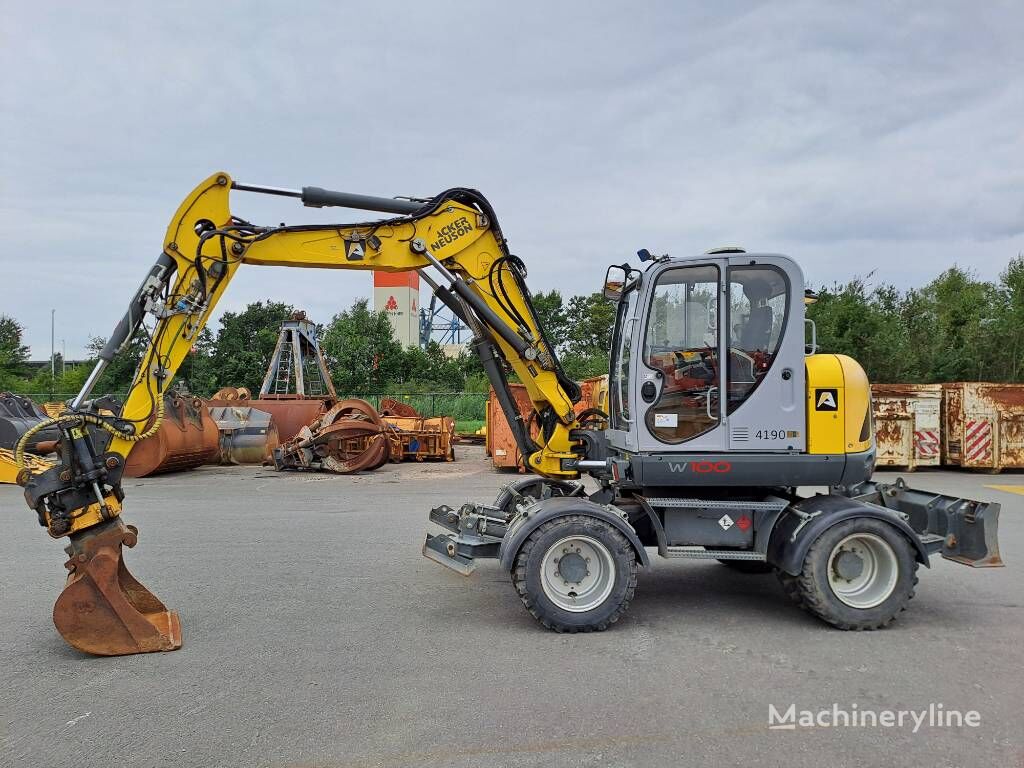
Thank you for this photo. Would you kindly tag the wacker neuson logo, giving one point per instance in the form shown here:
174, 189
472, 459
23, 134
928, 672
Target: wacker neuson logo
935, 716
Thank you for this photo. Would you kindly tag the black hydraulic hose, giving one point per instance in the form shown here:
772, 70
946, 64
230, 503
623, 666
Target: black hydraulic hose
490, 317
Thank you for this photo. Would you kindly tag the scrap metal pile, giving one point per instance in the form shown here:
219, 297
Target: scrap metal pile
350, 437
420, 438
296, 422
353, 436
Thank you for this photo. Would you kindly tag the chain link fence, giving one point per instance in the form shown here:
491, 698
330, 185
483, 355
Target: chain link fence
462, 406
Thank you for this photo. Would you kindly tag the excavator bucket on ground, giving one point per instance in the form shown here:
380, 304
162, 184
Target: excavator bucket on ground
19, 414
247, 435
289, 415
103, 609
187, 438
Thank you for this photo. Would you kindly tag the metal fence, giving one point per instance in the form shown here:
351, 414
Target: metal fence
463, 406
458, 405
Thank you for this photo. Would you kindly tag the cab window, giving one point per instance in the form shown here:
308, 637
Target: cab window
681, 342
758, 310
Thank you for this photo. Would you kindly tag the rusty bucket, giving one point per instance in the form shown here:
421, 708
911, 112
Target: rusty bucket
103, 609
187, 438
290, 415
247, 435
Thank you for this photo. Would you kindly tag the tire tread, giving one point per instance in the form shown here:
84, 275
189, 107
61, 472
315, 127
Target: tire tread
520, 566
805, 591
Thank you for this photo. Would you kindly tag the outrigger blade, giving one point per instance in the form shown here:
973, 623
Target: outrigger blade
103, 609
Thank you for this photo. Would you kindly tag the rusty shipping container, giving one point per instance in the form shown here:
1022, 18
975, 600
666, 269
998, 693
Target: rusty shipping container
983, 425
908, 424
500, 443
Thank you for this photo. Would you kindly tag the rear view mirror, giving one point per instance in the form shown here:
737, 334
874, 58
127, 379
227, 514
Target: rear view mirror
614, 282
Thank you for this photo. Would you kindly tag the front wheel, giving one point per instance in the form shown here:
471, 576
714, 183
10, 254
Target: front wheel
576, 574
857, 575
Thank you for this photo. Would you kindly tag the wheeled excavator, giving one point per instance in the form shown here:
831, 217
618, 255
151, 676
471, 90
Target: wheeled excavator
719, 412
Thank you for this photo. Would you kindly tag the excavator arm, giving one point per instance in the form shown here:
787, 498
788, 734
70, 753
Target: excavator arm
453, 240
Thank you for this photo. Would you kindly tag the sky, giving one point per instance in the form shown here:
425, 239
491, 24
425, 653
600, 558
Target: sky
858, 138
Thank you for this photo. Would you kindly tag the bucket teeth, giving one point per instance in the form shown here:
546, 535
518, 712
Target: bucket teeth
104, 610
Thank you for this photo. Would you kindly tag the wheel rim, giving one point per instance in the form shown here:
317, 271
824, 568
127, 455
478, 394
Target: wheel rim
862, 570
577, 573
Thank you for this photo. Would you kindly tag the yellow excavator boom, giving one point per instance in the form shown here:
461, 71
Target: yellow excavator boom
453, 240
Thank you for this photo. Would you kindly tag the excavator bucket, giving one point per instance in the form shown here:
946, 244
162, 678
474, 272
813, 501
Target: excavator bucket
103, 609
19, 414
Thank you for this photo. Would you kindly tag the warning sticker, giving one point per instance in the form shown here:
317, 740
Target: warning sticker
666, 420
726, 522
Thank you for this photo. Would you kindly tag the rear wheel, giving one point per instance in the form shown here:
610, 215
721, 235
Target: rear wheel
857, 575
576, 574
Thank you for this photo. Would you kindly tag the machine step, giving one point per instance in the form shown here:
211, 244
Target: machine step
699, 553
771, 505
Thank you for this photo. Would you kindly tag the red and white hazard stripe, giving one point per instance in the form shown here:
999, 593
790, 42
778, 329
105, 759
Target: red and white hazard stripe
926, 442
978, 440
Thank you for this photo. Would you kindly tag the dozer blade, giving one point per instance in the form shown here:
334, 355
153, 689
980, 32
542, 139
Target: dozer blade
103, 609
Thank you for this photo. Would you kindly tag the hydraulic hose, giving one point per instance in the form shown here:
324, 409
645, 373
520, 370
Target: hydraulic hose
67, 420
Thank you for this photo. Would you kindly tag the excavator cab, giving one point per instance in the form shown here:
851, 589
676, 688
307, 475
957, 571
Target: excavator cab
719, 412
709, 357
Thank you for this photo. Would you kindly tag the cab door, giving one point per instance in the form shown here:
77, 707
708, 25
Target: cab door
680, 379
765, 354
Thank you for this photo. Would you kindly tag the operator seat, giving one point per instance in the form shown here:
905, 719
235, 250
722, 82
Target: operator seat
757, 332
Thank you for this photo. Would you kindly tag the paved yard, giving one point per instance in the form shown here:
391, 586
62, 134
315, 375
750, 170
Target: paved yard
316, 635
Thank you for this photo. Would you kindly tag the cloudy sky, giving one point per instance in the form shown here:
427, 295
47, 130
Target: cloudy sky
854, 137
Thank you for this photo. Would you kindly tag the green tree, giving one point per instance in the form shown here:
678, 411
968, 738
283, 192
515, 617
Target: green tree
588, 335
551, 313
429, 369
13, 353
198, 370
1005, 327
244, 345
865, 325
962, 305
362, 353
